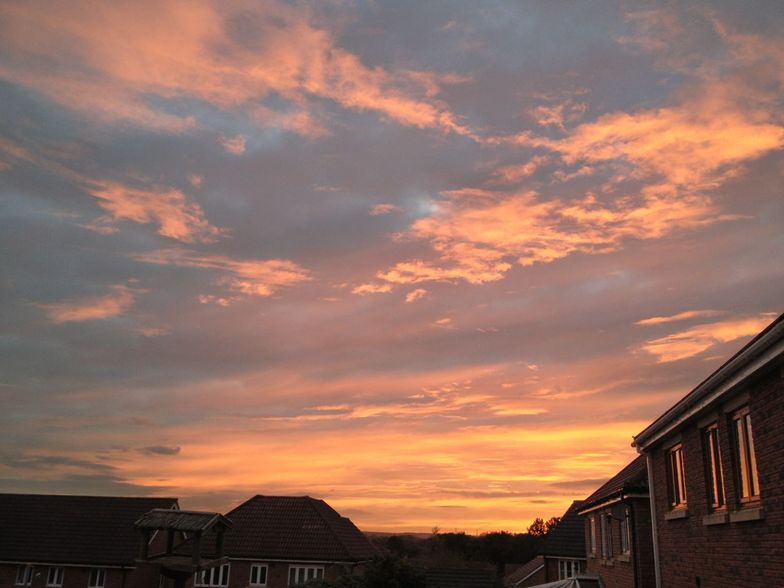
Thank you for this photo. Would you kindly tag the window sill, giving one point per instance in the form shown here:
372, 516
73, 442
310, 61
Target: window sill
716, 518
625, 557
678, 513
608, 563
746, 514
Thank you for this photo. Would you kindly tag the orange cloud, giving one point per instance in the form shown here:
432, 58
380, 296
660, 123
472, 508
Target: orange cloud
254, 277
175, 50
416, 294
695, 340
98, 307
479, 238
176, 216
363, 289
658, 320
384, 208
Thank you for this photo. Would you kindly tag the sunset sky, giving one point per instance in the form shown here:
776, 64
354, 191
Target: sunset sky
434, 262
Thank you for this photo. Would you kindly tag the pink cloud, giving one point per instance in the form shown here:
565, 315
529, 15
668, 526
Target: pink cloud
416, 294
695, 340
176, 216
252, 277
174, 50
384, 208
658, 320
235, 145
119, 301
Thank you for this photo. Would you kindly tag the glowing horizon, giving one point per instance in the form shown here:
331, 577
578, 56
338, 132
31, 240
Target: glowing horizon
436, 267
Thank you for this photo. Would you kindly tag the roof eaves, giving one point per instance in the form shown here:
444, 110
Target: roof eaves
762, 350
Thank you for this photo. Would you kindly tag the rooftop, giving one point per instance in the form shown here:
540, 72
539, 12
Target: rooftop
568, 537
632, 478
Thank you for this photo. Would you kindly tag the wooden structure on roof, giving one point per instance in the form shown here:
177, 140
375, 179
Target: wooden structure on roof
191, 526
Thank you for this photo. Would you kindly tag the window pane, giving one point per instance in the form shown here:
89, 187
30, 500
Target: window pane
754, 481
743, 464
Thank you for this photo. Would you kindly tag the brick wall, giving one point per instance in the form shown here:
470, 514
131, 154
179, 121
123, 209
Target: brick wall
730, 554
77, 577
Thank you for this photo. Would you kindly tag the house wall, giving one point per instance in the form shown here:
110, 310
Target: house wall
77, 577
551, 567
277, 572
732, 554
618, 571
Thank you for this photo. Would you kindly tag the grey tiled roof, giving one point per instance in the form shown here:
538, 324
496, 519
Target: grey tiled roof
72, 529
568, 537
632, 478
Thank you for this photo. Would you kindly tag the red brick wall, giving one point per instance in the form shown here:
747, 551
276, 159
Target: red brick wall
733, 554
77, 577
618, 571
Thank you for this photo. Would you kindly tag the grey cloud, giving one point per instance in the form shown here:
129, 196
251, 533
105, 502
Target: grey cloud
160, 450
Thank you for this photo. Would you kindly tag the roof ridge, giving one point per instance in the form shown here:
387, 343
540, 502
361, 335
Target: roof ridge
173, 498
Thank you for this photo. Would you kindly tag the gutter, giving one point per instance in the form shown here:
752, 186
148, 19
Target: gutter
654, 528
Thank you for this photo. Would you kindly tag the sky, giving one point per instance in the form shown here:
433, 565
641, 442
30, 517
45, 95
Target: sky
434, 262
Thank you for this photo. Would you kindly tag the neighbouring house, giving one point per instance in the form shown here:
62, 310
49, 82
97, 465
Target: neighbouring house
715, 462
617, 527
460, 578
49, 541
528, 574
564, 547
279, 541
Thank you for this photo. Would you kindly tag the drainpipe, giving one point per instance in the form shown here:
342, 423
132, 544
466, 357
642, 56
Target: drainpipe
654, 530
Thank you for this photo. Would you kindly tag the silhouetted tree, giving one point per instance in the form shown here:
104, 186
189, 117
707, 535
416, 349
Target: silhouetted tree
538, 528
551, 524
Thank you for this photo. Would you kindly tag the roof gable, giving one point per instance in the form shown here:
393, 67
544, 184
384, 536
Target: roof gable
72, 529
568, 537
294, 527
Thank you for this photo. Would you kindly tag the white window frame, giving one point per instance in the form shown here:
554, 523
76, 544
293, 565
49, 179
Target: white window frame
592, 529
24, 575
258, 566
676, 476
301, 574
745, 457
54, 577
606, 540
568, 568
97, 578
217, 577
716, 496
625, 534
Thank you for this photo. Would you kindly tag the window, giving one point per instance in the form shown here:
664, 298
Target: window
715, 474
258, 575
568, 568
592, 524
745, 458
625, 526
24, 575
676, 483
607, 547
97, 578
302, 574
217, 576
54, 577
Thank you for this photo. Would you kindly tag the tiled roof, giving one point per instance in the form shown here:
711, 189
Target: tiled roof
181, 520
460, 578
568, 537
524, 571
632, 478
72, 529
294, 527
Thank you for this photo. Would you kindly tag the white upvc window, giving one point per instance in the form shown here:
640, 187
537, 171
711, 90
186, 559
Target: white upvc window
676, 481
303, 574
745, 457
215, 577
97, 578
568, 568
258, 574
625, 528
54, 577
24, 576
592, 526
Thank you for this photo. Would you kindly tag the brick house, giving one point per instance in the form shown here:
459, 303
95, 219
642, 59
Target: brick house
561, 556
617, 526
279, 541
51, 541
716, 465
